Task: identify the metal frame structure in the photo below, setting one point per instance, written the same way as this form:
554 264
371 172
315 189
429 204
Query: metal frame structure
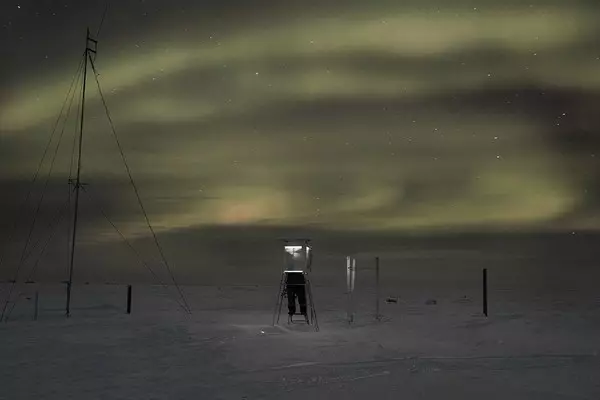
291 247
76 187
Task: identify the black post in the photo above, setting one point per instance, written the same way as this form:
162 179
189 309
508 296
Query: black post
485 293
37 301
128 299
377 315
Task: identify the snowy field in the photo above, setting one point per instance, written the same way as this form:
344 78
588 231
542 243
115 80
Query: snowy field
537 343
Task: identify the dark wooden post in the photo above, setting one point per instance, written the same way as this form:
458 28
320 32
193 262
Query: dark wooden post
128 299
36 305
377 315
485 293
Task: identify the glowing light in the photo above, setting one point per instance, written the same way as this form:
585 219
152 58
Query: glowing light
293 249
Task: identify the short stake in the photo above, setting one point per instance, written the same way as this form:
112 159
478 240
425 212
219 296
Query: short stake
128 299
485 293
36 305
377 314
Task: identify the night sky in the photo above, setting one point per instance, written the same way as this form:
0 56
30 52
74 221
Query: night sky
380 116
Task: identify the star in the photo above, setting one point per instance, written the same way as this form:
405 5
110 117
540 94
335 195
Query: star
291 131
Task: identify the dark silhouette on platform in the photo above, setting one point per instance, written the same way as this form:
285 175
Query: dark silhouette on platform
296 288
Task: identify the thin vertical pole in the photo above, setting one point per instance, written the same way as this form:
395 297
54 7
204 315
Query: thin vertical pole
377 315
78 181
36 305
485 293
279 302
353 280
348 291
128 299
351 274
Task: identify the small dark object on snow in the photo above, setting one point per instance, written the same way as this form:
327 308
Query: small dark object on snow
390 300
431 302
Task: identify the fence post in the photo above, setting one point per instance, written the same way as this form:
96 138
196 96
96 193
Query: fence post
128 299
485 293
377 314
36 305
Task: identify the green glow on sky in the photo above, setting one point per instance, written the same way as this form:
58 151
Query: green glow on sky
367 117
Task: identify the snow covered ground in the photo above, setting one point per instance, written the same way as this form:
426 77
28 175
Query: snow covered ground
536 344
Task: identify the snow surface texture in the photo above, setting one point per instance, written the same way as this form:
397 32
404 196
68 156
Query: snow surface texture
536 344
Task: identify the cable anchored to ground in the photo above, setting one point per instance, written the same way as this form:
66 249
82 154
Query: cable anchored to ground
133 249
133 184
34 180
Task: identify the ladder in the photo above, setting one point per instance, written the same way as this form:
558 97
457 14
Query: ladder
311 316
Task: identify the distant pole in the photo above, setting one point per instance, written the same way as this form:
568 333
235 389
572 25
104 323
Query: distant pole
36 305
485 293
350 274
348 277
377 315
353 279
128 299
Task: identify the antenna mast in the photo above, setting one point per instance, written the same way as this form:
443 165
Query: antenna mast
90 48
